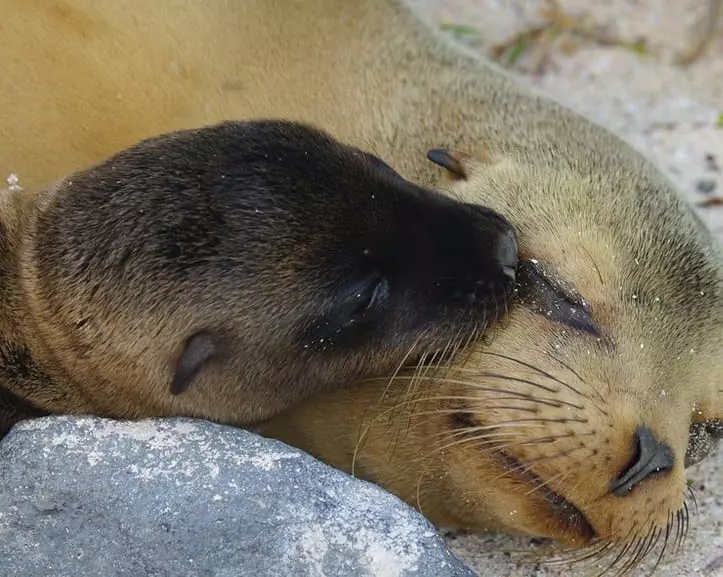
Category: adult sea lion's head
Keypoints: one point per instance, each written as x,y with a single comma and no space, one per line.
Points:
576,417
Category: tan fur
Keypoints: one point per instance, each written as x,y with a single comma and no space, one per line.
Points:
84,78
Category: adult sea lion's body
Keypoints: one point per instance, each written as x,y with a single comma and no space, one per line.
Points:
575,420
231,271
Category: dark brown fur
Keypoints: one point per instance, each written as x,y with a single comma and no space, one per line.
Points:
231,271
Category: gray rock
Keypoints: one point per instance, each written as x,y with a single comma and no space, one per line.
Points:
179,498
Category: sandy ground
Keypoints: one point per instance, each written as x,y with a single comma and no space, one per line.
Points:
615,62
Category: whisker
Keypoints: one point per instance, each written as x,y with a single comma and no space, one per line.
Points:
504,424
630,552
409,394
393,378
519,423
525,467
546,458
693,494
418,489
364,431
532,410
604,553
548,375
455,436
596,268
449,397
661,555
599,552
361,436
622,554
477,386
515,396
422,369
653,541
678,530
503,434
568,367
686,519
546,482
575,556
494,442
642,546
411,385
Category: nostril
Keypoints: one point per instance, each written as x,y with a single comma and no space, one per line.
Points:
651,457
507,254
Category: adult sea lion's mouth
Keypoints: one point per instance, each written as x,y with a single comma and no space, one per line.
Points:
570,523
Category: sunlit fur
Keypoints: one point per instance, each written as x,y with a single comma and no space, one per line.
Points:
87,77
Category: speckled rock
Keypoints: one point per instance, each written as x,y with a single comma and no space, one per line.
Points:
179,498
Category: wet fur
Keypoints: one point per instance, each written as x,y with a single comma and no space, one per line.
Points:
596,215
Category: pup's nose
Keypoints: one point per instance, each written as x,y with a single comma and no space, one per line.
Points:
651,456
507,254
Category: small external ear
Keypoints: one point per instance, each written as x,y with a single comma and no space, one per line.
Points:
457,163
199,348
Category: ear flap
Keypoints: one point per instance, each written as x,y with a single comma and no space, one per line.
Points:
198,350
458,164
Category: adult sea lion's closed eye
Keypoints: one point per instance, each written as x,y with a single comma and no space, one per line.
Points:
541,294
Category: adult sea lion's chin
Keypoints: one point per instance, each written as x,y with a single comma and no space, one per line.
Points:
576,417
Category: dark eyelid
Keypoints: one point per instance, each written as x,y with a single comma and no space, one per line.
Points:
541,295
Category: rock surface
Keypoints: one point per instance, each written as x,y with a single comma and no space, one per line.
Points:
90,497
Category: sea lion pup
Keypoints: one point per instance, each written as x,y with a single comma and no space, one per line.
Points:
230,271
619,257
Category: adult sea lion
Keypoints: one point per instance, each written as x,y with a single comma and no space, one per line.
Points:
606,372
230,271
